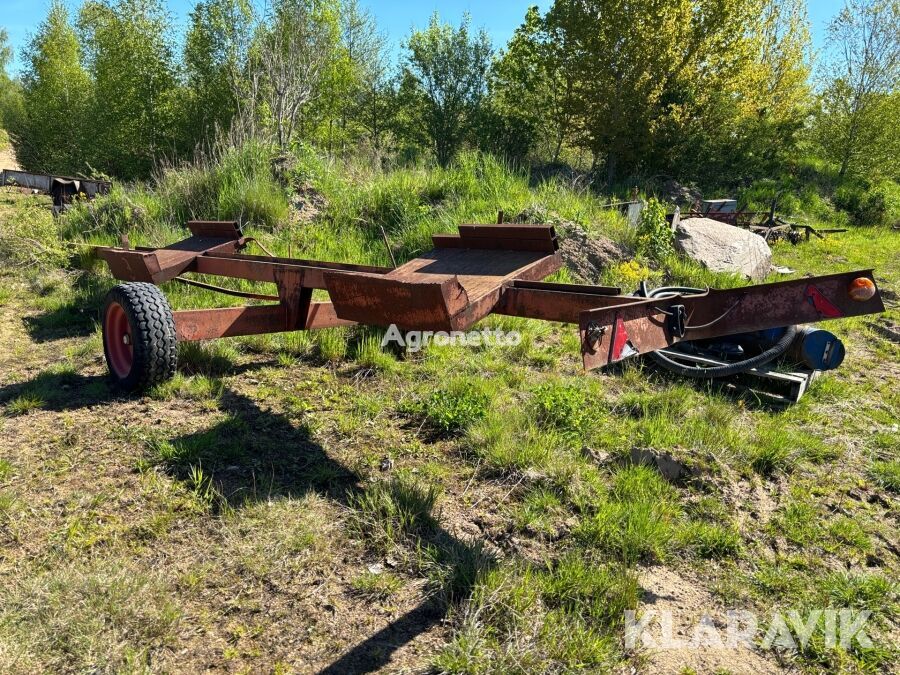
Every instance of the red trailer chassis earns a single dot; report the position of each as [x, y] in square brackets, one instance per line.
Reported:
[484, 269]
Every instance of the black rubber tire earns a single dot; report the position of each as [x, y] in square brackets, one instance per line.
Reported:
[152, 326]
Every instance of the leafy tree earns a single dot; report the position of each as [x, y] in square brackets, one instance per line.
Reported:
[857, 122]
[50, 130]
[11, 107]
[136, 106]
[297, 49]
[368, 108]
[661, 85]
[215, 53]
[444, 82]
[532, 87]
[359, 47]
[741, 117]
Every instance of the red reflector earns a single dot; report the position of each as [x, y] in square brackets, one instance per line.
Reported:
[861, 289]
[823, 305]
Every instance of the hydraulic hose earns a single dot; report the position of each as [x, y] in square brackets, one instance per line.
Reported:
[724, 370]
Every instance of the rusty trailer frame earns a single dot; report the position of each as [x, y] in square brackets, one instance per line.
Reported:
[484, 269]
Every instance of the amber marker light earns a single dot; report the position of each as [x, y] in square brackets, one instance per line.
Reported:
[861, 289]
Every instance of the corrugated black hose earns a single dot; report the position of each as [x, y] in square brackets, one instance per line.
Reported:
[724, 370]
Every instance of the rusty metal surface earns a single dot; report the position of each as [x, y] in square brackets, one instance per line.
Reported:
[535, 238]
[262, 268]
[216, 229]
[381, 301]
[643, 325]
[454, 286]
[164, 264]
[445, 289]
[554, 305]
[207, 324]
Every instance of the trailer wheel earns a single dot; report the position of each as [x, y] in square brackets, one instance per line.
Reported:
[139, 336]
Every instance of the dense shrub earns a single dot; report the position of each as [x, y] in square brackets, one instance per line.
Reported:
[655, 239]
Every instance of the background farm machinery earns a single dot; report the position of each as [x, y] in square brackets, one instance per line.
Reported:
[768, 224]
[484, 269]
[63, 189]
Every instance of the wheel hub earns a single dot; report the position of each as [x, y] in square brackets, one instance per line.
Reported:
[117, 335]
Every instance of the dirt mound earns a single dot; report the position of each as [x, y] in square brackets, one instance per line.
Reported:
[584, 255]
[306, 203]
[8, 157]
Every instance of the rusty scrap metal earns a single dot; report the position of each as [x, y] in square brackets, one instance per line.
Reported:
[63, 189]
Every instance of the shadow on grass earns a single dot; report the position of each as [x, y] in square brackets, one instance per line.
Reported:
[60, 391]
[751, 392]
[75, 316]
[255, 455]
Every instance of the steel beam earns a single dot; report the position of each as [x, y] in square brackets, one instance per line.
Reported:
[613, 333]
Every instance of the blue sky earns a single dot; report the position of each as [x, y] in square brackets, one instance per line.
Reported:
[498, 17]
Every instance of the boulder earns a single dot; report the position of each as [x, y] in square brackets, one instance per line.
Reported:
[724, 248]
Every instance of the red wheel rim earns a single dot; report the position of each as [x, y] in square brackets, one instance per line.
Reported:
[117, 336]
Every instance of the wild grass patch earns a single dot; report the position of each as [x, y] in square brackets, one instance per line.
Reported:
[197, 388]
[638, 520]
[388, 513]
[213, 358]
[562, 406]
[456, 406]
[539, 511]
[886, 473]
[24, 404]
[521, 619]
[377, 585]
[78, 615]
[6, 469]
[798, 521]
[331, 344]
[369, 353]
[709, 540]
[597, 594]
[506, 441]
[775, 448]
[212, 447]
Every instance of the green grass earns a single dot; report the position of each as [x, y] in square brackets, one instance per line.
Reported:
[561, 405]
[77, 615]
[24, 404]
[510, 500]
[456, 406]
[887, 474]
[506, 441]
[377, 585]
[527, 620]
[709, 540]
[637, 521]
[388, 512]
